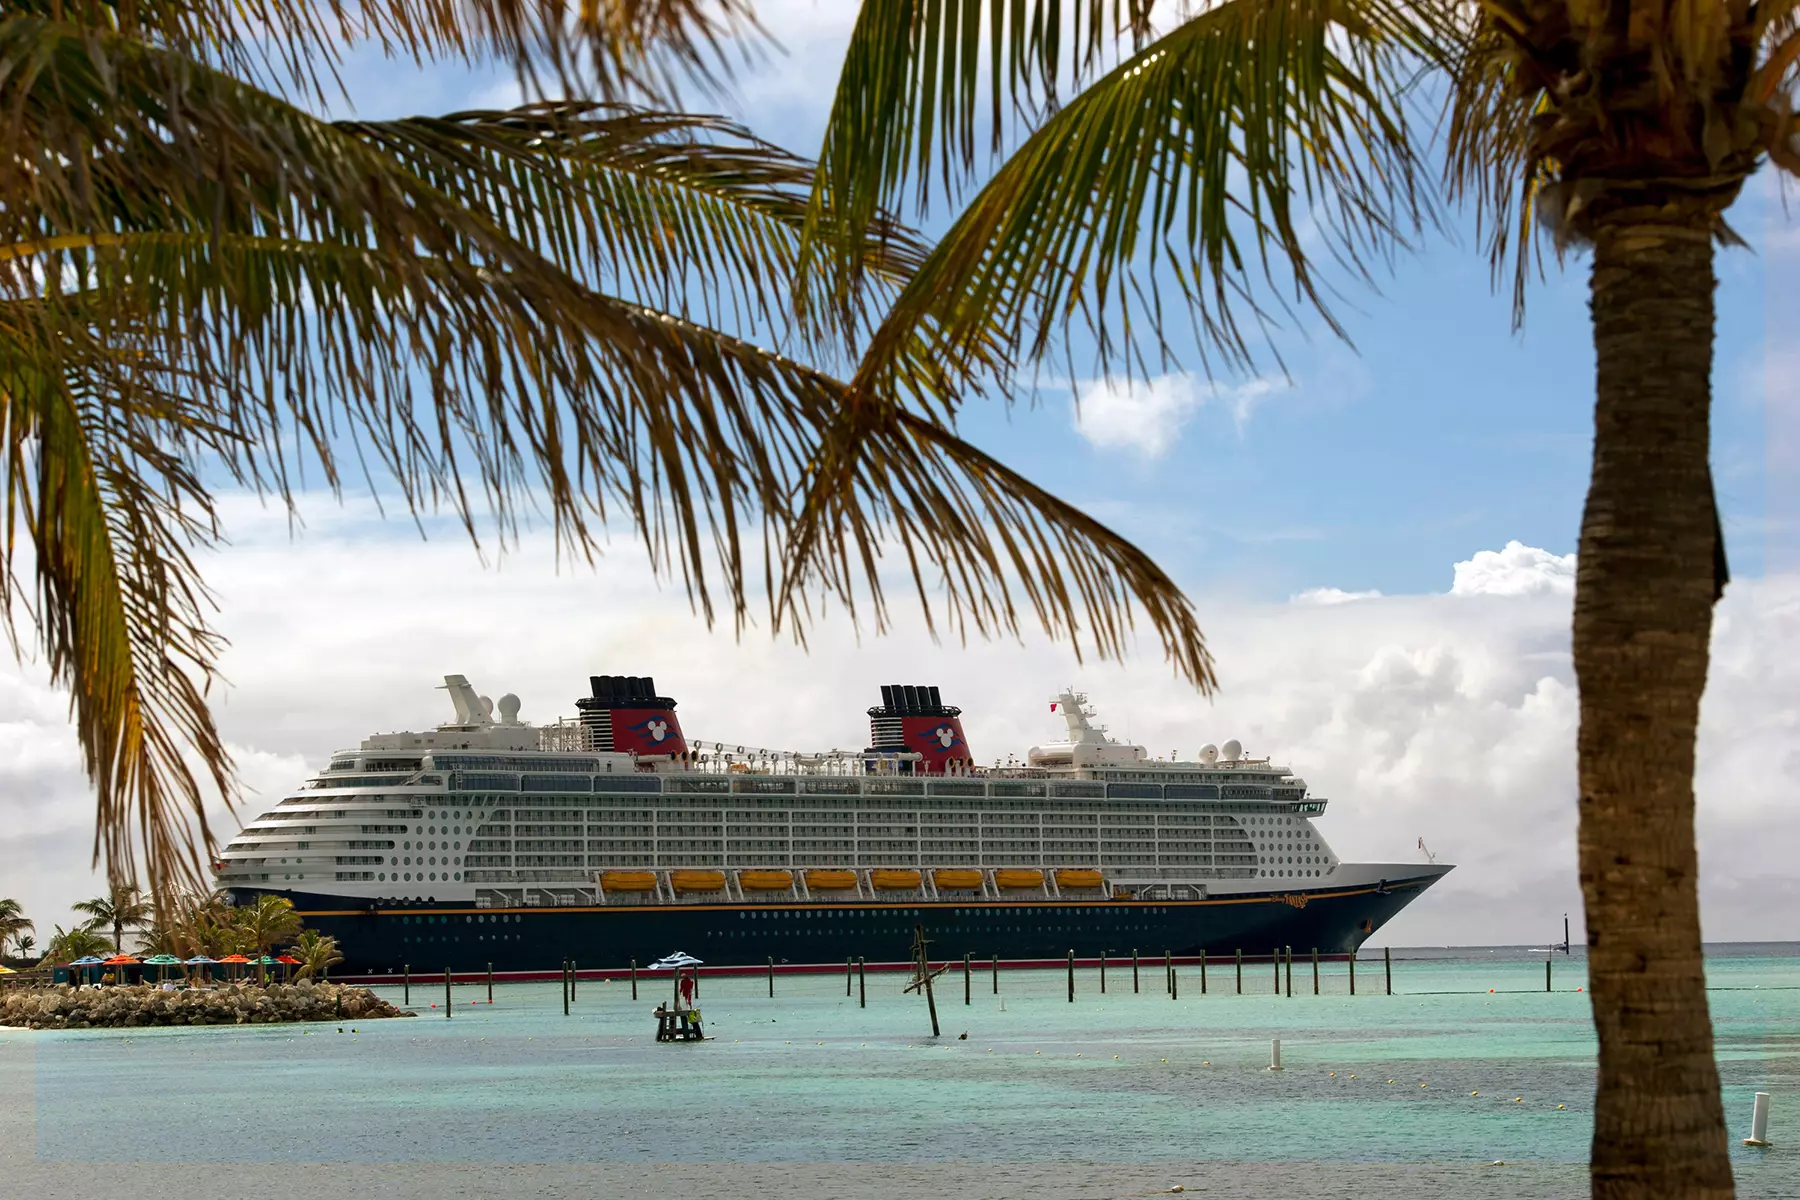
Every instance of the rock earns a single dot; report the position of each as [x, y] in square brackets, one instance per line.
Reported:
[238, 1004]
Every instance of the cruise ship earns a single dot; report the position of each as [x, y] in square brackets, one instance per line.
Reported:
[609, 838]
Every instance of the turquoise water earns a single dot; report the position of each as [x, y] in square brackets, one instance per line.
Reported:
[1378, 1092]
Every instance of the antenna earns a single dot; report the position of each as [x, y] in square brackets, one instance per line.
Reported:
[1429, 856]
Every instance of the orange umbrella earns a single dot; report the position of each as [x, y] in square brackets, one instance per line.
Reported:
[120, 960]
[235, 960]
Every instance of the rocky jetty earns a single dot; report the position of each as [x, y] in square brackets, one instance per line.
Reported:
[115, 1007]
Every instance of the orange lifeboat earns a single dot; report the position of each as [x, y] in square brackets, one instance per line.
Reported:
[1019, 879]
[1075, 878]
[698, 881]
[765, 881]
[957, 880]
[831, 881]
[628, 881]
[895, 881]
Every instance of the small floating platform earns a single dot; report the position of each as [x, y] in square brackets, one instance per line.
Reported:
[678, 1025]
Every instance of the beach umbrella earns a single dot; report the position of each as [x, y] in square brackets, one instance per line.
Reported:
[121, 961]
[86, 960]
[676, 962]
[288, 961]
[235, 960]
[162, 963]
[7, 971]
[200, 960]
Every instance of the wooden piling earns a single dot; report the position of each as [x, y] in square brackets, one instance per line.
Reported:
[996, 972]
[1103, 972]
[862, 983]
[1174, 984]
[1353, 972]
[967, 976]
[449, 1005]
[634, 979]
[490, 982]
[1071, 977]
[1134, 973]
[849, 974]
[771, 978]
[1387, 964]
[1288, 952]
[574, 974]
[1278, 970]
[406, 984]
[1203, 970]
[565, 985]
[1315, 970]
[1239, 954]
[1546, 974]
[1168, 971]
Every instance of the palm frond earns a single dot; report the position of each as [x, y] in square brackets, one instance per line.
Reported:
[1208, 163]
[979, 533]
[907, 107]
[112, 511]
[647, 48]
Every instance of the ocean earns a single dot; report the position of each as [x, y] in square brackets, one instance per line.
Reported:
[1469, 1077]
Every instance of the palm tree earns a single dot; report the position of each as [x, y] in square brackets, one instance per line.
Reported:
[1215, 165]
[25, 944]
[267, 922]
[123, 909]
[66, 945]
[13, 924]
[317, 953]
[578, 306]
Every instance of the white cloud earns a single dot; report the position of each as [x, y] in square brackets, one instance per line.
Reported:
[1441, 716]
[1144, 415]
[1518, 570]
[1331, 595]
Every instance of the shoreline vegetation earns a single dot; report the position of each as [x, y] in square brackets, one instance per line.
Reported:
[62, 1006]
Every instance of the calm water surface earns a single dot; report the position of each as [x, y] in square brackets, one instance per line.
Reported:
[1114, 1095]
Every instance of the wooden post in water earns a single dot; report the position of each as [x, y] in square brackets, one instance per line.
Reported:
[771, 978]
[1134, 975]
[1546, 974]
[565, 983]
[574, 974]
[406, 984]
[996, 972]
[1174, 984]
[967, 993]
[1203, 970]
[1353, 972]
[862, 983]
[634, 979]
[1315, 970]
[449, 1005]
[490, 978]
[1278, 970]
[1240, 971]
[1168, 971]
[1387, 964]
[849, 974]
[1103, 972]
[1071, 977]
[1289, 951]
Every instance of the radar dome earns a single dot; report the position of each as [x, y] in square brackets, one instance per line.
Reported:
[509, 709]
[1209, 754]
[1232, 750]
[487, 707]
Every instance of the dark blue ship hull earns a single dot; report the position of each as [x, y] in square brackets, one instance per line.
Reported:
[383, 940]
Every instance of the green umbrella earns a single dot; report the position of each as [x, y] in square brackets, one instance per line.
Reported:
[162, 962]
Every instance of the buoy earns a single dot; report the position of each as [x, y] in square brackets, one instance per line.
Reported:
[1474, 1093]
[1334, 1074]
[1759, 1121]
[1275, 1054]
[1560, 1107]
[1518, 1099]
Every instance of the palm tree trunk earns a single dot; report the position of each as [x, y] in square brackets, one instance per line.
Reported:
[1650, 566]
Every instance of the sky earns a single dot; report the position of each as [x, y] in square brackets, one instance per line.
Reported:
[1379, 543]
